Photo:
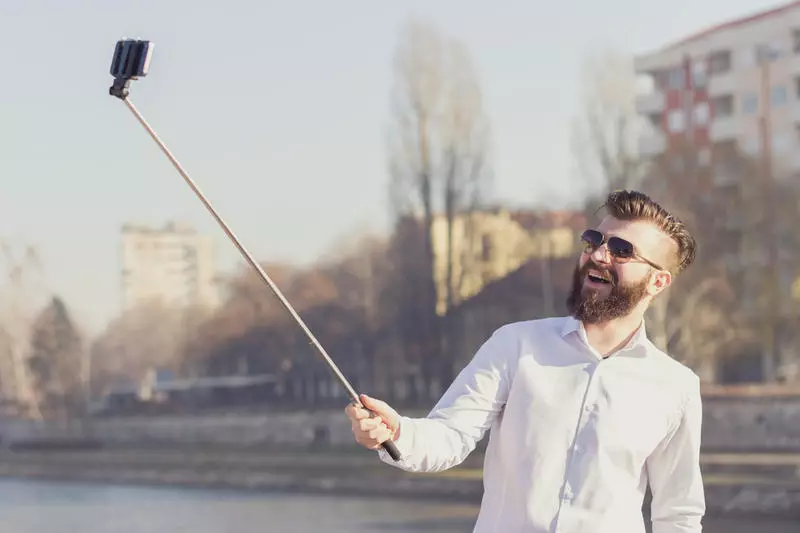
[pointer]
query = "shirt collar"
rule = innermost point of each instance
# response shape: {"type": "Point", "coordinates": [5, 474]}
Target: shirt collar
{"type": "Point", "coordinates": [572, 325]}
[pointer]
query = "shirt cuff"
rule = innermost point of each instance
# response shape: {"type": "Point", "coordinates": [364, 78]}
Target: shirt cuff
{"type": "Point", "coordinates": [404, 441]}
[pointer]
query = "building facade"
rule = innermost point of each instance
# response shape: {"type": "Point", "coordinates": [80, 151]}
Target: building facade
{"type": "Point", "coordinates": [735, 84]}
{"type": "Point", "coordinates": [173, 264]}
{"type": "Point", "coordinates": [487, 245]}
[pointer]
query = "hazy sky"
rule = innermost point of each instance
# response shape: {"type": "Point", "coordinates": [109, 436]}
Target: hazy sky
{"type": "Point", "coordinates": [281, 124]}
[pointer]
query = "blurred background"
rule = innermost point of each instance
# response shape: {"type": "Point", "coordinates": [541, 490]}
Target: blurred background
{"type": "Point", "coordinates": [412, 175]}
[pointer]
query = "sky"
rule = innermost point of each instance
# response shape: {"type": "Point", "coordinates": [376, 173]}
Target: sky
{"type": "Point", "coordinates": [278, 111]}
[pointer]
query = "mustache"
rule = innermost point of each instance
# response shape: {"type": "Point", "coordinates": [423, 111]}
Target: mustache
{"type": "Point", "coordinates": [591, 265]}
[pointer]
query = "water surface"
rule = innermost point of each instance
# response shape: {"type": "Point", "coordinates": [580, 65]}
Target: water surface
{"type": "Point", "coordinates": [53, 507]}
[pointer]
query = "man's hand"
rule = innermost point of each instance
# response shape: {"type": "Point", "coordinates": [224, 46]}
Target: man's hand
{"type": "Point", "coordinates": [372, 431]}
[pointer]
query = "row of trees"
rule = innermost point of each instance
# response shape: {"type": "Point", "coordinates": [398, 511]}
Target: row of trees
{"type": "Point", "coordinates": [374, 303]}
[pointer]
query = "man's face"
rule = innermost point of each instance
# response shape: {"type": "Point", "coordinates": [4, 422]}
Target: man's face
{"type": "Point", "coordinates": [606, 287]}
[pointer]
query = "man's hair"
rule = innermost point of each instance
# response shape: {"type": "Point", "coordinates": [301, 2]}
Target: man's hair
{"type": "Point", "coordinates": [634, 205]}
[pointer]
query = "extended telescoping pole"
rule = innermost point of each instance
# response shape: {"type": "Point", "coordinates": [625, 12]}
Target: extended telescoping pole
{"type": "Point", "coordinates": [131, 61]}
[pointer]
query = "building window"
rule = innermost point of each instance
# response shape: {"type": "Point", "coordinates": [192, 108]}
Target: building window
{"type": "Point", "coordinates": [779, 95]}
{"type": "Point", "coordinates": [767, 52]}
{"type": "Point", "coordinates": [719, 62]}
{"type": "Point", "coordinates": [796, 41]}
{"type": "Point", "coordinates": [722, 106]}
{"type": "Point", "coordinates": [749, 103]}
{"type": "Point", "coordinates": [676, 79]}
{"type": "Point", "coordinates": [797, 87]}
{"type": "Point", "coordinates": [701, 114]}
{"type": "Point", "coordinates": [676, 121]}
{"type": "Point", "coordinates": [726, 150]}
{"type": "Point", "coordinates": [699, 76]}
{"type": "Point", "coordinates": [661, 79]}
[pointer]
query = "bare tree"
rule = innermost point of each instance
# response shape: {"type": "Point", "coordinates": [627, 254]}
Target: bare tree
{"type": "Point", "coordinates": [145, 337]}
{"type": "Point", "coordinates": [700, 325]}
{"type": "Point", "coordinates": [22, 293]}
{"type": "Point", "coordinates": [700, 319]}
{"type": "Point", "coordinates": [438, 150]}
{"type": "Point", "coordinates": [606, 135]}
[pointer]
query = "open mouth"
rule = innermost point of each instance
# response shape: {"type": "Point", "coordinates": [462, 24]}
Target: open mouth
{"type": "Point", "coordinates": [595, 277]}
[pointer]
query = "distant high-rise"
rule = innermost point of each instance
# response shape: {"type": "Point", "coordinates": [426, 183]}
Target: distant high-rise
{"type": "Point", "coordinates": [718, 87]}
{"type": "Point", "coordinates": [173, 263]}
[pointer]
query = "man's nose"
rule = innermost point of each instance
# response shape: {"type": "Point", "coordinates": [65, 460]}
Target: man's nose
{"type": "Point", "coordinates": [601, 254]}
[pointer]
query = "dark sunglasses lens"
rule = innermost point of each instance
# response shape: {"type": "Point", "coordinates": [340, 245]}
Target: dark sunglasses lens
{"type": "Point", "coordinates": [620, 248]}
{"type": "Point", "coordinates": [592, 238]}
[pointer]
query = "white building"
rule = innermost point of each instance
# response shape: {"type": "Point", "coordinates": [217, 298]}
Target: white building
{"type": "Point", "coordinates": [173, 263]}
{"type": "Point", "coordinates": [742, 72]}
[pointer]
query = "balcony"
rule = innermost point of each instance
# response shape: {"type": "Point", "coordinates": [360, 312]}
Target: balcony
{"type": "Point", "coordinates": [721, 84]}
{"type": "Point", "coordinates": [652, 143]}
{"type": "Point", "coordinates": [650, 103]}
{"type": "Point", "coordinates": [724, 129]}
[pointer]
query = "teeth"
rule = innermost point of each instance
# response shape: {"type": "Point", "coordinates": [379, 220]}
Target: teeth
{"type": "Point", "coordinates": [598, 278]}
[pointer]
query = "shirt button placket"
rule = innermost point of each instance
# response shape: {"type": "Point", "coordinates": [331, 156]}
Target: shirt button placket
{"type": "Point", "coordinates": [577, 448]}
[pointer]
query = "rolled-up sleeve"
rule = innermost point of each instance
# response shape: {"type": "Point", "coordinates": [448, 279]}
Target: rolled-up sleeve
{"type": "Point", "coordinates": [462, 416]}
{"type": "Point", "coordinates": [678, 503]}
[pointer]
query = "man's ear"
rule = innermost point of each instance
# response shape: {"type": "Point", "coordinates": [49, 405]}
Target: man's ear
{"type": "Point", "coordinates": [659, 282]}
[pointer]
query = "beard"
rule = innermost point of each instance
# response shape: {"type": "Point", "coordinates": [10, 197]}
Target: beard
{"type": "Point", "coordinates": [588, 306]}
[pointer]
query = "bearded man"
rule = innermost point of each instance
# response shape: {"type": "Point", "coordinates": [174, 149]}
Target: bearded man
{"type": "Point", "coordinates": [584, 412]}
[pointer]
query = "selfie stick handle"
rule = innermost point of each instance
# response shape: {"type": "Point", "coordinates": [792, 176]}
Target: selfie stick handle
{"type": "Point", "coordinates": [120, 89]}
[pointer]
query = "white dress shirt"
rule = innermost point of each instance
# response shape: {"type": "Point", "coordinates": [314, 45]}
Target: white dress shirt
{"type": "Point", "coordinates": [575, 437]}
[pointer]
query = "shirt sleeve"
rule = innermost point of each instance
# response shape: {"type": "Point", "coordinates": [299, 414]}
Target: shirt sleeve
{"type": "Point", "coordinates": [676, 483]}
{"type": "Point", "coordinates": [460, 419]}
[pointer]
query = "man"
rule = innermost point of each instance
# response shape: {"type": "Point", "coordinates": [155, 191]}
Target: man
{"type": "Point", "coordinates": [584, 410]}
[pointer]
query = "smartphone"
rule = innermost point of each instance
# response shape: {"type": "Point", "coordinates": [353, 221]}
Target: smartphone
{"type": "Point", "coordinates": [131, 59]}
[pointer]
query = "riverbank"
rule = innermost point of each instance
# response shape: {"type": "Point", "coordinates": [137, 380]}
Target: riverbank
{"type": "Point", "coordinates": [736, 484]}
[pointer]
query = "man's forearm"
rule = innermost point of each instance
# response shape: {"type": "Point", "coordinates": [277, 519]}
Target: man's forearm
{"type": "Point", "coordinates": [462, 416]}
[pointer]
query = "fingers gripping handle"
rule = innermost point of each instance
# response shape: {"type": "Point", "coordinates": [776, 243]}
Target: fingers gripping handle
{"type": "Point", "coordinates": [389, 445]}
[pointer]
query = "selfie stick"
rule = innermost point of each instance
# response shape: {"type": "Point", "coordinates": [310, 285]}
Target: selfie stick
{"type": "Point", "coordinates": [131, 61]}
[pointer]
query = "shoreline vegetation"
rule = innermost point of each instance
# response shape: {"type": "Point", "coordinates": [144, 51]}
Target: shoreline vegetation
{"type": "Point", "coordinates": [737, 484]}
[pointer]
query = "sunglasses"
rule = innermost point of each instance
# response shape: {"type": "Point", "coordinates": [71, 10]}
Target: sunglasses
{"type": "Point", "coordinates": [620, 249]}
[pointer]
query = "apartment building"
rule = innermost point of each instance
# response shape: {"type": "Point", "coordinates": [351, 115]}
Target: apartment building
{"type": "Point", "coordinates": [173, 263]}
{"type": "Point", "coordinates": [723, 86]}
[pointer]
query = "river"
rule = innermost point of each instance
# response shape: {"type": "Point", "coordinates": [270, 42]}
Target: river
{"type": "Point", "coordinates": [54, 507]}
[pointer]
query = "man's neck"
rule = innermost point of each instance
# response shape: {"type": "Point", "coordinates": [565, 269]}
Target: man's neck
{"type": "Point", "coordinates": [608, 337]}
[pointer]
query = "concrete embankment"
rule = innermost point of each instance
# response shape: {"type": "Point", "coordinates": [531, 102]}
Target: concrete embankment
{"type": "Point", "coordinates": [730, 424]}
{"type": "Point", "coordinates": [751, 455]}
{"type": "Point", "coordinates": [736, 484]}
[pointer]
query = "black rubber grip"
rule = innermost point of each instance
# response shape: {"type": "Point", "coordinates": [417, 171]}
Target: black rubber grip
{"type": "Point", "coordinates": [391, 449]}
